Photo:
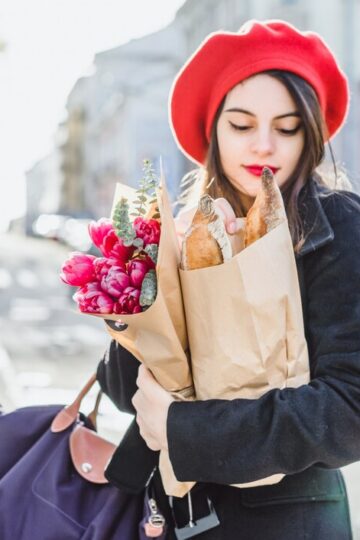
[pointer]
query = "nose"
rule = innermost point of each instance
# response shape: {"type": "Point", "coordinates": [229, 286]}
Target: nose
{"type": "Point", "coordinates": [263, 142]}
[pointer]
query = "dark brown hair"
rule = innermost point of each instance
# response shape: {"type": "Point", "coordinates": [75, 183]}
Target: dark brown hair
{"type": "Point", "coordinates": [312, 155]}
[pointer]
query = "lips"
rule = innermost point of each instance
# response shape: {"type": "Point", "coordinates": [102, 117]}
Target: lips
{"type": "Point", "coordinates": [256, 170]}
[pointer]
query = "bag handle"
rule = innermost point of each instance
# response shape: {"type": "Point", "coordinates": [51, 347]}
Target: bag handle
{"type": "Point", "coordinates": [69, 413]}
{"type": "Point", "coordinates": [94, 413]}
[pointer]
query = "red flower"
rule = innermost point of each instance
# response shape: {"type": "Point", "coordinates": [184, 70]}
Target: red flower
{"type": "Point", "coordinates": [99, 229]}
{"type": "Point", "coordinates": [115, 281]}
{"type": "Point", "coordinates": [92, 299]}
{"type": "Point", "coordinates": [105, 238]}
{"type": "Point", "coordinates": [148, 230]}
{"type": "Point", "coordinates": [128, 302]}
{"type": "Point", "coordinates": [102, 266]}
{"type": "Point", "coordinates": [137, 268]}
{"type": "Point", "coordinates": [78, 269]}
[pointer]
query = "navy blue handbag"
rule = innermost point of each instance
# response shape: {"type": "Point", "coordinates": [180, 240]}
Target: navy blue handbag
{"type": "Point", "coordinates": [52, 484]}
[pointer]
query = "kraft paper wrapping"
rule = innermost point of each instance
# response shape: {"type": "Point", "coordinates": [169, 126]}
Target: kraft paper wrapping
{"type": "Point", "coordinates": [252, 337]}
{"type": "Point", "coordinates": [157, 337]}
{"type": "Point", "coordinates": [243, 326]}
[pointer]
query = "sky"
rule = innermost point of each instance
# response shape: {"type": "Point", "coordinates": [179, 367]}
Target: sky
{"type": "Point", "coordinates": [49, 45]}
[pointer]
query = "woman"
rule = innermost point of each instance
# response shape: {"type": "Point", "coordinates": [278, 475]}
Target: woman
{"type": "Point", "coordinates": [263, 96]}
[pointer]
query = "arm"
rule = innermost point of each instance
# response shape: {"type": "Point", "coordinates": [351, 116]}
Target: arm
{"type": "Point", "coordinates": [116, 374]}
{"type": "Point", "coordinates": [132, 462]}
{"type": "Point", "coordinates": [287, 431]}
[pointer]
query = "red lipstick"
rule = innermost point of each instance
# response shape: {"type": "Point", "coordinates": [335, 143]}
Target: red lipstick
{"type": "Point", "coordinates": [256, 170]}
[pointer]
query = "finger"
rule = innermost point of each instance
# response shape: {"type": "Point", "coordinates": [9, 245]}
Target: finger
{"type": "Point", "coordinates": [139, 401]}
{"type": "Point", "coordinates": [227, 214]}
{"type": "Point", "coordinates": [135, 400]}
{"type": "Point", "coordinates": [153, 445]}
{"type": "Point", "coordinates": [150, 441]}
{"type": "Point", "coordinates": [183, 219]}
{"type": "Point", "coordinates": [142, 378]}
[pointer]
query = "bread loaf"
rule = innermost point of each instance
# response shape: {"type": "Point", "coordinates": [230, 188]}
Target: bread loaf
{"type": "Point", "coordinates": [206, 242]}
{"type": "Point", "coordinates": [267, 212]}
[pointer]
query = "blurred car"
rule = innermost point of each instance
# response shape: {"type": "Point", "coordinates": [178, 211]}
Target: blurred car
{"type": "Point", "coordinates": [74, 234]}
{"type": "Point", "coordinates": [49, 226]}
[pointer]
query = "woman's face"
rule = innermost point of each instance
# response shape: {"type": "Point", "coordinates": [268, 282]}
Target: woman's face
{"type": "Point", "coordinates": [259, 125]}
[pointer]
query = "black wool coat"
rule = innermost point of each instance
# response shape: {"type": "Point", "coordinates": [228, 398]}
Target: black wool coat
{"type": "Point", "coordinates": [307, 433]}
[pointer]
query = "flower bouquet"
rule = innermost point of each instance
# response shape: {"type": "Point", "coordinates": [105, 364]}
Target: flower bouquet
{"type": "Point", "coordinates": [123, 280]}
{"type": "Point", "coordinates": [135, 284]}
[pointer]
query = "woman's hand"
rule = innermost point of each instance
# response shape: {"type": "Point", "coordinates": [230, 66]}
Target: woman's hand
{"type": "Point", "coordinates": [152, 403]}
{"type": "Point", "coordinates": [223, 208]}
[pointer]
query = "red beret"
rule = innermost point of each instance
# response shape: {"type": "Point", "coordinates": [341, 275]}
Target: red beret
{"type": "Point", "coordinates": [226, 58]}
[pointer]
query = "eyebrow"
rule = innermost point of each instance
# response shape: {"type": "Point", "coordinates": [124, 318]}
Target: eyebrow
{"type": "Point", "coordinates": [236, 109]}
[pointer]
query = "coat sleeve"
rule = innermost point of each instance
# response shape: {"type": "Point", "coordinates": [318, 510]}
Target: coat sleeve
{"type": "Point", "coordinates": [288, 430]}
{"type": "Point", "coordinates": [133, 461]}
{"type": "Point", "coordinates": [116, 374]}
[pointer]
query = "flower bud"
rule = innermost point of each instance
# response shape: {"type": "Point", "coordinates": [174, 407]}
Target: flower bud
{"type": "Point", "coordinates": [148, 230]}
{"type": "Point", "coordinates": [91, 299]}
{"type": "Point", "coordinates": [78, 269]}
{"type": "Point", "coordinates": [115, 281]}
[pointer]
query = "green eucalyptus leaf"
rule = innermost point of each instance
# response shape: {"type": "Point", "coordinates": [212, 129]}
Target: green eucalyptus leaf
{"type": "Point", "coordinates": [138, 242]}
{"type": "Point", "coordinates": [148, 289]}
{"type": "Point", "coordinates": [152, 250]}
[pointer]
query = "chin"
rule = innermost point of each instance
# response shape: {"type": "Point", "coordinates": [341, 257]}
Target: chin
{"type": "Point", "coordinates": [250, 190]}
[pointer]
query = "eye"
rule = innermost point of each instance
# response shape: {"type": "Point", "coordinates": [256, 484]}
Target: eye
{"type": "Point", "coordinates": [290, 131]}
{"type": "Point", "coordinates": [239, 128]}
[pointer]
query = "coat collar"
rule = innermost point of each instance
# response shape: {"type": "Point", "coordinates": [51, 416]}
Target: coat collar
{"type": "Point", "coordinates": [317, 228]}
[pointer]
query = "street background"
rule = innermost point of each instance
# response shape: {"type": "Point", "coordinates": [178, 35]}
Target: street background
{"type": "Point", "coordinates": [83, 100]}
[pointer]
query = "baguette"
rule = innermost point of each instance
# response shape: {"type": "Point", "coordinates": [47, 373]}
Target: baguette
{"type": "Point", "coordinates": [206, 242]}
{"type": "Point", "coordinates": [267, 212]}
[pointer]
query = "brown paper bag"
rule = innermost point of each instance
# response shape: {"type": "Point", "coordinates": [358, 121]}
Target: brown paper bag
{"type": "Point", "coordinates": [252, 338]}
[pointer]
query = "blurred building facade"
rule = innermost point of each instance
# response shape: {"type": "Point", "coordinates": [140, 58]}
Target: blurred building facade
{"type": "Point", "coordinates": [117, 116]}
{"type": "Point", "coordinates": [43, 188]}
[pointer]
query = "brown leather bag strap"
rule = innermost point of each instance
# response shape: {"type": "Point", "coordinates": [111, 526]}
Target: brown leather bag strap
{"type": "Point", "coordinates": [68, 414]}
{"type": "Point", "coordinates": [93, 415]}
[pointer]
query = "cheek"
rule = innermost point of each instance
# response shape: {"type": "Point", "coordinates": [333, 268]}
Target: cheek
{"type": "Point", "coordinates": [230, 150]}
{"type": "Point", "coordinates": [295, 150]}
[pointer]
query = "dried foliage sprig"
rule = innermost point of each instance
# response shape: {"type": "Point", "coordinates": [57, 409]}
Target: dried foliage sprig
{"type": "Point", "coordinates": [145, 198]}
{"type": "Point", "coordinates": [122, 224]}
{"type": "Point", "coordinates": [148, 289]}
{"type": "Point", "coordinates": [146, 194]}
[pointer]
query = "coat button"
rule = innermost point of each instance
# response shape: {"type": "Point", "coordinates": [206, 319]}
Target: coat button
{"type": "Point", "coordinates": [86, 467]}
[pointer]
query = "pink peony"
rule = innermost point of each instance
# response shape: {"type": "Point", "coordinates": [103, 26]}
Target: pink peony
{"type": "Point", "coordinates": [99, 229]}
{"type": "Point", "coordinates": [102, 266]}
{"type": "Point", "coordinates": [148, 230]}
{"type": "Point", "coordinates": [92, 299]}
{"type": "Point", "coordinates": [115, 281]}
{"type": "Point", "coordinates": [137, 268]}
{"type": "Point", "coordinates": [105, 238]}
{"type": "Point", "coordinates": [78, 269]}
{"type": "Point", "coordinates": [128, 302]}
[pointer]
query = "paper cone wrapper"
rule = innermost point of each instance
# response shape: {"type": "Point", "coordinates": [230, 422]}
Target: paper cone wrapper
{"type": "Point", "coordinates": [157, 337]}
